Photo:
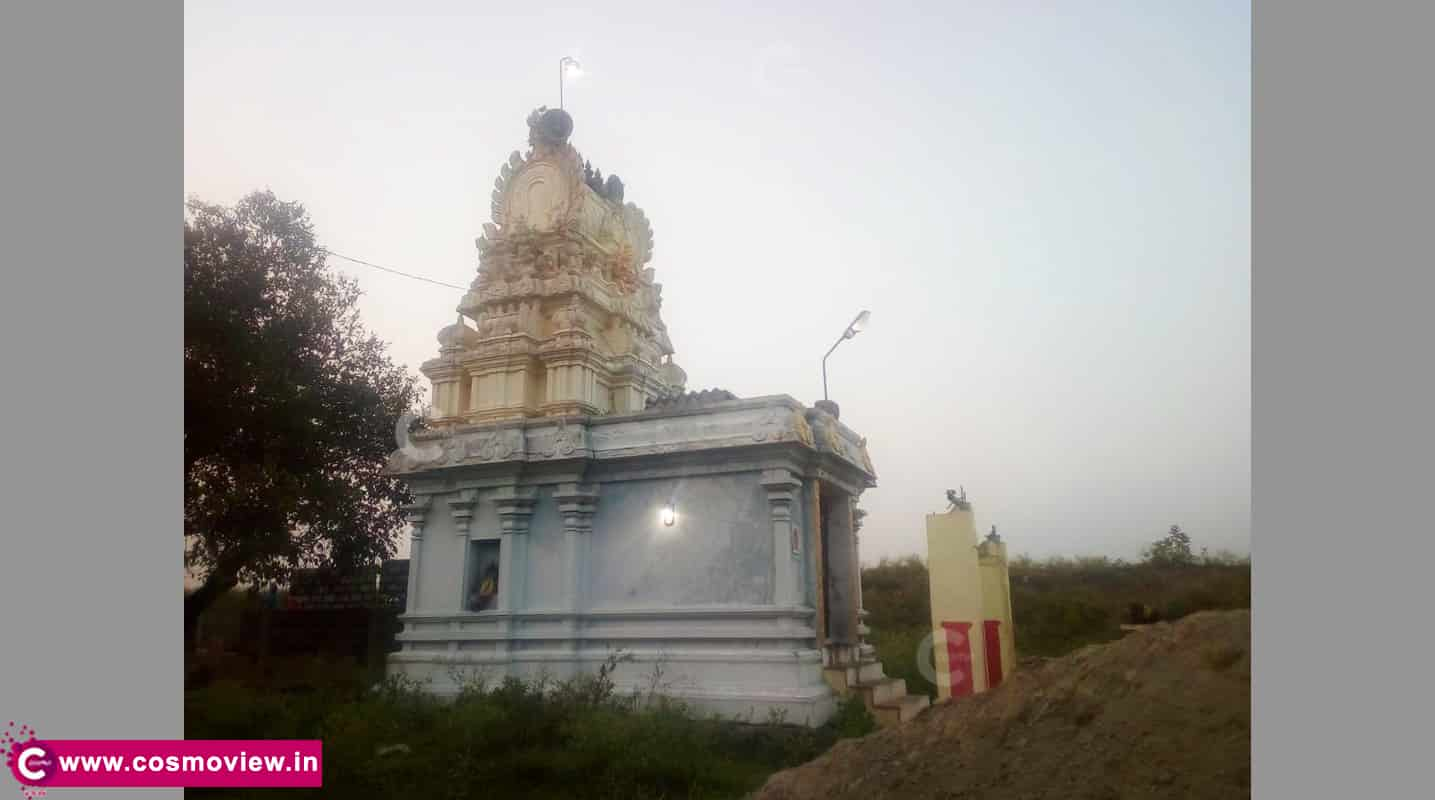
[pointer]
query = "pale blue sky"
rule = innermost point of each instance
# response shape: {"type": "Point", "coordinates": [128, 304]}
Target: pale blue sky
{"type": "Point", "coordinates": [1046, 206]}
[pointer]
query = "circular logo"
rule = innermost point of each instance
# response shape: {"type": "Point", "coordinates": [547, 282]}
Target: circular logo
{"type": "Point", "coordinates": [406, 445]}
{"type": "Point", "coordinates": [926, 663]}
{"type": "Point", "coordinates": [34, 763]}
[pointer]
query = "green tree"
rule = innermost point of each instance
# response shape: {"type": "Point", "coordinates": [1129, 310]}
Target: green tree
{"type": "Point", "coordinates": [1172, 550]}
{"type": "Point", "coordinates": [289, 405]}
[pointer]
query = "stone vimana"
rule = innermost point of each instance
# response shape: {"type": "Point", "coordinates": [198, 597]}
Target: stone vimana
{"type": "Point", "coordinates": [575, 504]}
{"type": "Point", "coordinates": [565, 310]}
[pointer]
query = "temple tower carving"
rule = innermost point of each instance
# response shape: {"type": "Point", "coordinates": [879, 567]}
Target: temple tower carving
{"type": "Point", "coordinates": [563, 317]}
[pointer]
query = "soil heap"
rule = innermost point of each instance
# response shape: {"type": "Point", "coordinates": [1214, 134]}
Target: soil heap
{"type": "Point", "coordinates": [1163, 713]}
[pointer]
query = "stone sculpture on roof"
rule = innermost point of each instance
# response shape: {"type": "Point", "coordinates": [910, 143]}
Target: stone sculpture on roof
{"type": "Point", "coordinates": [958, 502]}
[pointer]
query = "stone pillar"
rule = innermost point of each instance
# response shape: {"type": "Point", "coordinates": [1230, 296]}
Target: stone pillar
{"type": "Point", "coordinates": [630, 384]}
{"type": "Point", "coordinates": [461, 506]}
{"type": "Point", "coordinates": [857, 517]}
{"type": "Point", "coordinates": [573, 366]}
{"type": "Point", "coordinates": [573, 387]}
{"type": "Point", "coordinates": [817, 564]}
{"type": "Point", "coordinates": [576, 502]}
{"type": "Point", "coordinates": [784, 489]}
{"type": "Point", "coordinates": [957, 602]}
{"type": "Point", "coordinates": [841, 563]}
{"type": "Point", "coordinates": [515, 506]}
{"type": "Point", "coordinates": [473, 391]}
{"type": "Point", "coordinates": [446, 379]}
{"type": "Point", "coordinates": [415, 513]}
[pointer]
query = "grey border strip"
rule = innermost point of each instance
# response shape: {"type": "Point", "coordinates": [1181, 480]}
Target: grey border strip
{"type": "Point", "coordinates": [90, 321]}
{"type": "Point", "coordinates": [1342, 180]}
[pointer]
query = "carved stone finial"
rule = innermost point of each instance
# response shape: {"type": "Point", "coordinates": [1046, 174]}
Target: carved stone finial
{"type": "Point", "coordinates": [549, 127]}
{"type": "Point", "coordinates": [457, 336]}
{"type": "Point", "coordinates": [958, 501]}
{"type": "Point", "coordinates": [613, 189]}
{"type": "Point", "coordinates": [674, 375]}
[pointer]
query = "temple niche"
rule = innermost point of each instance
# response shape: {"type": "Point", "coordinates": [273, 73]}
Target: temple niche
{"type": "Point", "coordinates": [563, 317]}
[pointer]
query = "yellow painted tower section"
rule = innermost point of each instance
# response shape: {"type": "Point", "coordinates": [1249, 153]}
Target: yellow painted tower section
{"type": "Point", "coordinates": [969, 584]}
{"type": "Point", "coordinates": [996, 597]}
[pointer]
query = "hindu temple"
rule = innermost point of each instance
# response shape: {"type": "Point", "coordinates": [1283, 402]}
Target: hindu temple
{"type": "Point", "coordinates": [575, 505]}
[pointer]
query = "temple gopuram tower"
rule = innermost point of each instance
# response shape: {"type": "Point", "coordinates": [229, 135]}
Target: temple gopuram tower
{"type": "Point", "coordinates": [565, 310]}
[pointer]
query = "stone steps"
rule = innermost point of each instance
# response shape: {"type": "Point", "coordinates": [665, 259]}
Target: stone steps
{"type": "Point", "coordinates": [889, 714]}
{"type": "Point", "coordinates": [843, 679]}
{"type": "Point", "coordinates": [886, 698]}
{"type": "Point", "coordinates": [882, 692]}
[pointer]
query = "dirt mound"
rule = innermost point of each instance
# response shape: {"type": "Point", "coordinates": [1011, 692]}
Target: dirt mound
{"type": "Point", "coordinates": [1163, 713]}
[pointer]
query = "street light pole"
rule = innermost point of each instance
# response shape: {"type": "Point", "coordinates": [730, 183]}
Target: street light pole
{"type": "Point", "coordinates": [854, 328]}
{"type": "Point", "coordinates": [824, 363]}
{"type": "Point", "coordinates": [564, 63]}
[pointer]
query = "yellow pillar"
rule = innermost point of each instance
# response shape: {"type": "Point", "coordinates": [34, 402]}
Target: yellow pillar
{"type": "Point", "coordinates": [996, 598]}
{"type": "Point", "coordinates": [968, 588]}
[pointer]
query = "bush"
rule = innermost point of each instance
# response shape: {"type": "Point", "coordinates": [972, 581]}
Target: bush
{"type": "Point", "coordinates": [1060, 604]}
{"type": "Point", "coordinates": [852, 719]}
{"type": "Point", "coordinates": [899, 648]}
{"type": "Point", "coordinates": [1054, 624]}
{"type": "Point", "coordinates": [514, 739]}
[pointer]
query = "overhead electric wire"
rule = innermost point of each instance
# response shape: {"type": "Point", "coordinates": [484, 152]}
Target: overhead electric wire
{"type": "Point", "coordinates": [394, 271]}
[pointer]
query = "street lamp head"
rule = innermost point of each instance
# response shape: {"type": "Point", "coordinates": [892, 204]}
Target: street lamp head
{"type": "Point", "coordinates": [854, 328]}
{"type": "Point", "coordinates": [859, 324]}
{"type": "Point", "coordinates": [568, 67]}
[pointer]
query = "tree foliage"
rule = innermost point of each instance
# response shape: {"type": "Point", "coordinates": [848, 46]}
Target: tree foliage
{"type": "Point", "coordinates": [1173, 550]}
{"type": "Point", "coordinates": [289, 404]}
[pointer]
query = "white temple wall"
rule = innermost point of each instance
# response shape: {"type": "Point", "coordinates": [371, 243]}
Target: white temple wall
{"type": "Point", "coordinates": [440, 560]}
{"type": "Point", "coordinates": [717, 609]}
{"type": "Point", "coordinates": [546, 542]}
{"type": "Point", "coordinates": [719, 550]}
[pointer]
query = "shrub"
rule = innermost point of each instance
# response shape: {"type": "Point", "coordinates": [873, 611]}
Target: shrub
{"type": "Point", "coordinates": [852, 719]}
{"type": "Point", "coordinates": [899, 649]}
{"type": "Point", "coordinates": [1059, 604]}
{"type": "Point", "coordinates": [513, 738]}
